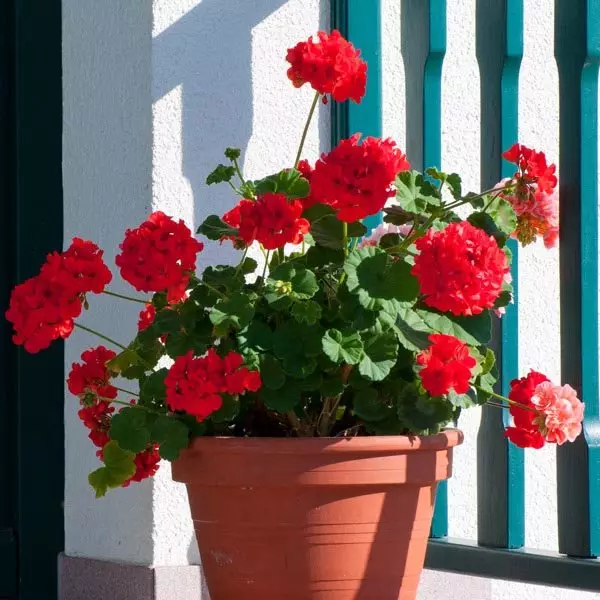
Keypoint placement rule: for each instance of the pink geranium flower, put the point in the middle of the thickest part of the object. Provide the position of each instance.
(561, 412)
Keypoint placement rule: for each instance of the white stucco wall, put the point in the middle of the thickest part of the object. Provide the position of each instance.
(153, 92)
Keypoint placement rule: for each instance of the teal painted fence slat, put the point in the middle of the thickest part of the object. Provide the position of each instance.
(589, 265)
(576, 50)
(432, 157)
(509, 367)
(364, 31)
(500, 465)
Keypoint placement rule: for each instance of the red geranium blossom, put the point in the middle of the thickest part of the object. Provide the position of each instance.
(90, 379)
(460, 269)
(42, 310)
(146, 317)
(271, 219)
(446, 364)
(355, 179)
(331, 65)
(97, 419)
(159, 255)
(532, 167)
(195, 385)
(146, 465)
(80, 267)
(546, 412)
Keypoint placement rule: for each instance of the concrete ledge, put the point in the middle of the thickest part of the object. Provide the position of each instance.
(89, 579)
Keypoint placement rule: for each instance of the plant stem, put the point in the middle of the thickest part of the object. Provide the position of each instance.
(239, 267)
(293, 419)
(236, 166)
(264, 273)
(345, 240)
(504, 399)
(305, 131)
(123, 297)
(281, 253)
(126, 391)
(101, 336)
(122, 403)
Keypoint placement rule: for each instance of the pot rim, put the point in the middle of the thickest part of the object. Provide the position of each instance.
(448, 438)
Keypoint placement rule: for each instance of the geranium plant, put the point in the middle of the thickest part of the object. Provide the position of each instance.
(338, 332)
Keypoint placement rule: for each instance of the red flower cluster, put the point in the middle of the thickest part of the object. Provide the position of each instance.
(146, 465)
(545, 412)
(146, 317)
(534, 197)
(356, 179)
(90, 379)
(460, 269)
(526, 432)
(195, 385)
(42, 308)
(533, 167)
(331, 65)
(271, 219)
(97, 419)
(79, 268)
(159, 255)
(446, 364)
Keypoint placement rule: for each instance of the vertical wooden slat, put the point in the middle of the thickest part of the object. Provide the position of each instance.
(364, 30)
(577, 51)
(339, 110)
(432, 157)
(500, 465)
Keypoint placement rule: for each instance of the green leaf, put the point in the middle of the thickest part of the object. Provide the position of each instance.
(454, 184)
(178, 343)
(167, 321)
(343, 348)
(332, 387)
(311, 382)
(320, 256)
(397, 216)
(289, 182)
(249, 266)
(488, 362)
(229, 410)
(413, 193)
(412, 331)
(283, 399)
(257, 335)
(485, 222)
(308, 312)
(271, 372)
(118, 468)
(467, 400)
(224, 278)
(236, 312)
(221, 174)
(327, 230)
(232, 153)
(214, 228)
(130, 430)
(381, 354)
(475, 331)
(369, 406)
(504, 299)
(377, 278)
(172, 435)
(504, 216)
(297, 346)
(152, 389)
(303, 281)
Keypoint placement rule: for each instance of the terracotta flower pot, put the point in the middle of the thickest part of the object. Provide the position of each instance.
(314, 518)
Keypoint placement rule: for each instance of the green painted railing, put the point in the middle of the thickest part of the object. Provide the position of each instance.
(499, 550)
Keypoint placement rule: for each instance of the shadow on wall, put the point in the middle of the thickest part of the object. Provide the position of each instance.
(208, 52)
